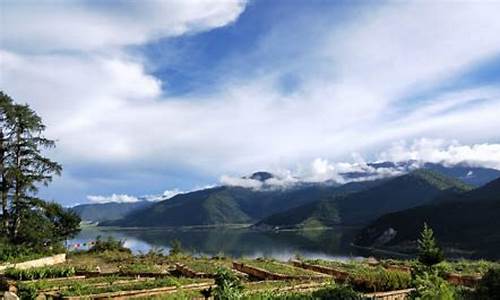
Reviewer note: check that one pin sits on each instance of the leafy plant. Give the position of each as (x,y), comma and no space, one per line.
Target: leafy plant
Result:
(339,292)
(429,286)
(110,244)
(228,284)
(176,248)
(489,286)
(40,273)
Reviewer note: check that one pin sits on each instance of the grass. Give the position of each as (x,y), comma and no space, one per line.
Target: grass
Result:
(114,261)
(467,267)
(205,265)
(278,267)
(351,266)
(40,273)
(251,287)
(364,277)
(84,289)
(59,284)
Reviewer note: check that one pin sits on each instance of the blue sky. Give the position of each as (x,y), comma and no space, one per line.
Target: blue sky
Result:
(162,96)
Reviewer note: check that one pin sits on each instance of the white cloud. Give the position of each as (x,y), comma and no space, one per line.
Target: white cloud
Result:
(241,182)
(86,26)
(70,63)
(119,198)
(446,152)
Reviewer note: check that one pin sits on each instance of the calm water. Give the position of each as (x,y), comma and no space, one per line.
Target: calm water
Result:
(328,243)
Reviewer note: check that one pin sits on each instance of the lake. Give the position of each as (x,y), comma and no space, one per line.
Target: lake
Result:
(234,242)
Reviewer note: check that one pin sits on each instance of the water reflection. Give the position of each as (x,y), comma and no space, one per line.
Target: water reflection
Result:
(327,243)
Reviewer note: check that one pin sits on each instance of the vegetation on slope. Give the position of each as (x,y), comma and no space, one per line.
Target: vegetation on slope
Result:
(470,220)
(395,194)
(232,205)
(98,212)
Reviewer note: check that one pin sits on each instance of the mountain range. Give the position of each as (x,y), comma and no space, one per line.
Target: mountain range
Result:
(470,220)
(270,205)
(402,192)
(233,205)
(99,212)
(461,203)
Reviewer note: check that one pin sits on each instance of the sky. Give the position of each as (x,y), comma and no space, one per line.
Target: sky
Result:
(158,97)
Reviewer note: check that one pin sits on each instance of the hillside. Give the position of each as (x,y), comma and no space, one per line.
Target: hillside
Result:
(232,205)
(395,194)
(99,212)
(470,221)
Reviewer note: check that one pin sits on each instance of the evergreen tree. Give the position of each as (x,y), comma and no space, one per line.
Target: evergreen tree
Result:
(23,168)
(6,124)
(429,251)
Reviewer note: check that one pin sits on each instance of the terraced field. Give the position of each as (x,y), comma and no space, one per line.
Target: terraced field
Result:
(276,267)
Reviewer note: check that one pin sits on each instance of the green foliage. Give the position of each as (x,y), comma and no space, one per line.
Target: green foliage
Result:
(139,268)
(478,211)
(429,286)
(276,267)
(109,245)
(228,284)
(27,220)
(40,273)
(466,267)
(176,248)
(332,292)
(84,289)
(28,292)
(380,280)
(340,292)
(429,252)
(18,253)
(369,279)
(489,286)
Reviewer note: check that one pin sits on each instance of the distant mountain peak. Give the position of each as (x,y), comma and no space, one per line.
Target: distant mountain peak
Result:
(261,176)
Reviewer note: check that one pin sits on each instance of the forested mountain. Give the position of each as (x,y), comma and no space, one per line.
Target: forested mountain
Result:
(98,212)
(470,220)
(311,204)
(406,191)
(234,205)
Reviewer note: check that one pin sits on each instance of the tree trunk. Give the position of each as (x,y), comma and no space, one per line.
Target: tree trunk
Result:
(4,187)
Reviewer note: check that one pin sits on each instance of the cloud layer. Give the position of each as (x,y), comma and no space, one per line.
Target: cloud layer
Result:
(381,75)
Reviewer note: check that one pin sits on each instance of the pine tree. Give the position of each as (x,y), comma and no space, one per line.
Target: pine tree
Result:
(27,219)
(6,124)
(429,251)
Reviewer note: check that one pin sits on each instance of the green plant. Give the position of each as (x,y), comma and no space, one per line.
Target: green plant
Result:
(40,273)
(429,252)
(28,292)
(176,248)
(339,292)
(489,286)
(110,244)
(430,286)
(228,287)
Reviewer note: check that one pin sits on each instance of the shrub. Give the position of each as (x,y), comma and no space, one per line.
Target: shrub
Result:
(342,292)
(176,247)
(489,286)
(429,286)
(28,292)
(110,244)
(228,284)
(380,279)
